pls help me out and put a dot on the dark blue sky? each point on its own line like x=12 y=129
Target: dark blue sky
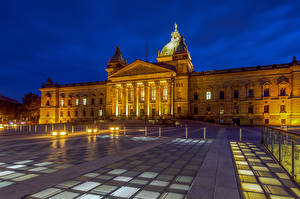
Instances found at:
x=70 y=41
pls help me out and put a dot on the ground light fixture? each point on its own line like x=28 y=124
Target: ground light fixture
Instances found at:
x=92 y=130
x=59 y=133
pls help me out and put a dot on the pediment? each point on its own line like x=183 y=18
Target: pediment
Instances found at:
x=140 y=68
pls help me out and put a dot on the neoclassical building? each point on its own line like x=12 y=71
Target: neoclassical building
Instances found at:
x=170 y=88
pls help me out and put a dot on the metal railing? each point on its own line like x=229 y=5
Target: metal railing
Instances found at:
x=285 y=147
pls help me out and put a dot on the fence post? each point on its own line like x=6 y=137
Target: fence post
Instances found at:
x=30 y=128
x=46 y=128
x=35 y=128
x=145 y=131
x=159 y=132
x=280 y=138
x=240 y=134
x=124 y=130
x=204 y=133
x=64 y=127
x=72 y=129
x=293 y=157
x=186 y=132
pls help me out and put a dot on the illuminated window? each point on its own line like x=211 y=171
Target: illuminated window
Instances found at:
x=131 y=95
x=153 y=93
x=208 y=95
x=267 y=92
x=251 y=93
x=195 y=96
x=282 y=109
x=84 y=101
x=165 y=111
x=221 y=110
x=77 y=101
x=266 y=109
x=236 y=94
x=153 y=112
x=142 y=94
x=208 y=110
x=221 y=94
x=62 y=102
x=282 y=92
x=236 y=109
x=100 y=113
x=165 y=93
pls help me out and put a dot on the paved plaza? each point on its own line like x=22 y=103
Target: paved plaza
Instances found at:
x=184 y=162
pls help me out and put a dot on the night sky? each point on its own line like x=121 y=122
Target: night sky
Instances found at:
x=71 y=41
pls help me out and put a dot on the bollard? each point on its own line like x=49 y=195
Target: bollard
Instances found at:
x=46 y=128
x=35 y=128
x=186 y=133
x=145 y=131
x=72 y=129
x=204 y=133
x=124 y=130
x=29 y=130
x=159 y=132
x=64 y=127
x=240 y=134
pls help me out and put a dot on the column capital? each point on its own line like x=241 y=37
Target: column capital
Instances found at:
x=145 y=84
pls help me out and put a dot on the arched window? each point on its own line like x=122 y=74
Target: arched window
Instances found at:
x=47 y=103
x=283 y=92
x=101 y=100
x=266 y=92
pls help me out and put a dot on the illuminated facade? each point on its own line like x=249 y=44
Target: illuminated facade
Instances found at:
x=170 y=88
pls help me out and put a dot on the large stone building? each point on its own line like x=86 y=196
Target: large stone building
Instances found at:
x=170 y=88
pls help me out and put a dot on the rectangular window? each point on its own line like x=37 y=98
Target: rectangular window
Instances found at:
x=153 y=112
x=221 y=94
x=165 y=93
x=196 y=110
x=77 y=101
x=142 y=94
x=282 y=108
x=61 y=114
x=250 y=109
x=208 y=110
x=236 y=94
x=221 y=110
x=69 y=114
x=267 y=92
x=76 y=113
x=93 y=101
x=178 y=109
x=101 y=100
x=236 y=109
x=84 y=101
x=251 y=93
x=142 y=112
x=100 y=112
x=153 y=93
x=266 y=121
x=69 y=102
x=62 y=102
x=131 y=95
x=266 y=109
x=195 y=96
x=208 y=95
x=83 y=113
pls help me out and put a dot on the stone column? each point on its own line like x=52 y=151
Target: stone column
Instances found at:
x=117 y=102
x=158 y=98
x=126 y=102
x=123 y=89
x=169 y=95
x=172 y=97
x=146 y=99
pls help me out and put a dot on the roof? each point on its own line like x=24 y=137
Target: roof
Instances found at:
x=164 y=65
x=77 y=84
x=245 y=69
x=8 y=100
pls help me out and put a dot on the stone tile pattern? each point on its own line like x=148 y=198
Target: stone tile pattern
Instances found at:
x=166 y=171
x=259 y=176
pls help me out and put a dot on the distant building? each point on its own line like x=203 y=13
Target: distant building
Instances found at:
x=8 y=109
x=170 y=88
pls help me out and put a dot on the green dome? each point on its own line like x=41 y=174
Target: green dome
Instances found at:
x=170 y=48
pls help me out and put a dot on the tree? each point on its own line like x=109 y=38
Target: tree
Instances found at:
x=30 y=108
